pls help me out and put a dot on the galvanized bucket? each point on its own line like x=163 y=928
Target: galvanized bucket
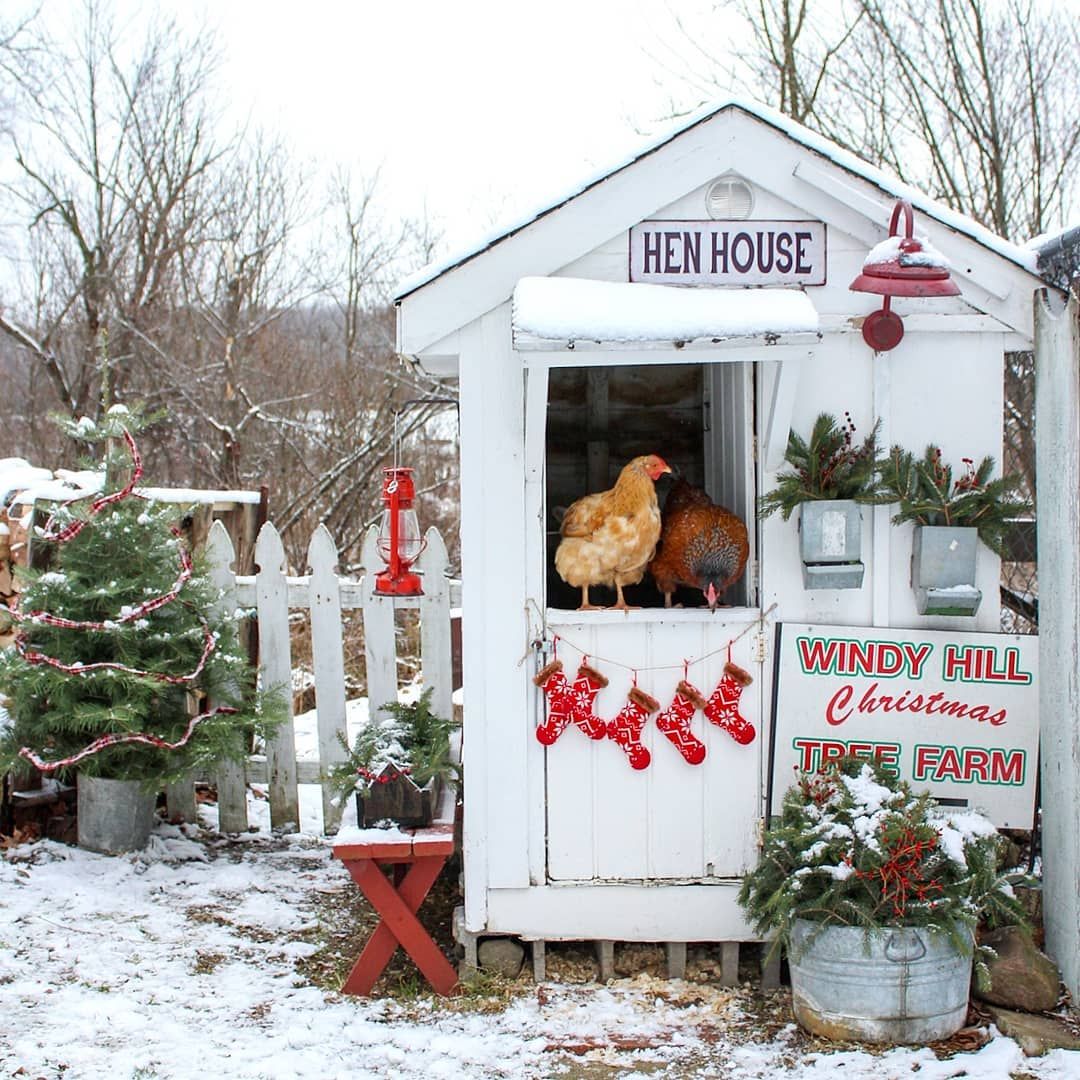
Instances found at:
x=911 y=987
x=114 y=815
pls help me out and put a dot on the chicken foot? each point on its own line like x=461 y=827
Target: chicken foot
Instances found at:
x=585 y=605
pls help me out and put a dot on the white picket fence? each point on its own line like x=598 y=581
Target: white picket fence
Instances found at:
x=273 y=595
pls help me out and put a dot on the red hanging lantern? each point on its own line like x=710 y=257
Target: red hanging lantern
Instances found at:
x=905 y=268
x=399 y=541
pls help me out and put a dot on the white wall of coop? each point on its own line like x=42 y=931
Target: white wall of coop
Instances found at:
x=946 y=389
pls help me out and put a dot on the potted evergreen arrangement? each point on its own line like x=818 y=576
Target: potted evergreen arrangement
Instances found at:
x=397 y=764
x=875 y=893
x=951 y=515
x=827 y=476
x=125 y=674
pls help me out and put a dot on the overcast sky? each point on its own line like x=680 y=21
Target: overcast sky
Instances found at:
x=474 y=109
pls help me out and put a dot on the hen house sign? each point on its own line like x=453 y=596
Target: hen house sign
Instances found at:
x=955 y=714
x=728 y=252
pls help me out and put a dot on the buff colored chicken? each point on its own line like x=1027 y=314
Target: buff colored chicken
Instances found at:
x=609 y=538
x=702 y=545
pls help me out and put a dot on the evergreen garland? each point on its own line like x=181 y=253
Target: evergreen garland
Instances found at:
x=854 y=847
x=158 y=668
x=928 y=494
x=829 y=465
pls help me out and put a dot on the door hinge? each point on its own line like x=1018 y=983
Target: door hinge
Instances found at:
x=761 y=647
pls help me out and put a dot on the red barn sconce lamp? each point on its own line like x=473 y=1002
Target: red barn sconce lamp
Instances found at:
x=900 y=266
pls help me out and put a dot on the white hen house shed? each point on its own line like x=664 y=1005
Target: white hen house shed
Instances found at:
x=570 y=364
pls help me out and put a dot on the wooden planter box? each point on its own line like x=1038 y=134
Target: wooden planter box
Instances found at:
x=397 y=798
x=830 y=544
x=943 y=562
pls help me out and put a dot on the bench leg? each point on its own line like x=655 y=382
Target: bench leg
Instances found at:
x=399 y=925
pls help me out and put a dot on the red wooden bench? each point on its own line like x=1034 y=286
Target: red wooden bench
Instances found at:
x=417 y=856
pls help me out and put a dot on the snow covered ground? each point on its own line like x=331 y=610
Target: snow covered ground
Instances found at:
x=180 y=962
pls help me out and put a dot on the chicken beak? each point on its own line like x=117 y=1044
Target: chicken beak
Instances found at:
x=711 y=596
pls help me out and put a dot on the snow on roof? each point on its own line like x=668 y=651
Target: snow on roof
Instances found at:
x=17 y=474
x=581 y=310
x=1021 y=256
x=32 y=484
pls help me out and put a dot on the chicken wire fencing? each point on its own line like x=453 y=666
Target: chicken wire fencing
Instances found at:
x=1019 y=564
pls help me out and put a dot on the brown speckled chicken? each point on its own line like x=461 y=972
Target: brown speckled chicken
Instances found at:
x=701 y=544
x=609 y=538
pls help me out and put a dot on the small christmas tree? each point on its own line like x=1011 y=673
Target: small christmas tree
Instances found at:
x=124 y=666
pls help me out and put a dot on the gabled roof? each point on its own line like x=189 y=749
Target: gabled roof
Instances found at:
x=494 y=252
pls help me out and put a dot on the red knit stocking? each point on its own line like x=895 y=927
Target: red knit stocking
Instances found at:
x=722 y=708
x=560 y=701
x=569 y=703
x=625 y=729
x=587 y=685
x=674 y=722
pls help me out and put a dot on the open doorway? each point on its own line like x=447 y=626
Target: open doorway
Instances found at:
x=698 y=417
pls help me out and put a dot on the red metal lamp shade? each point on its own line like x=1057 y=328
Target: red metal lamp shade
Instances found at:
x=400 y=542
x=902 y=269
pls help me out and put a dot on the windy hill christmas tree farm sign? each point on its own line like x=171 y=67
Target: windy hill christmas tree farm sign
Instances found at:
x=124 y=668
x=951 y=713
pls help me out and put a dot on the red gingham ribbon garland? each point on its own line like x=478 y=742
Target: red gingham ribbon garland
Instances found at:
x=209 y=644
x=99 y=503
x=31 y=656
x=145 y=608
x=116 y=739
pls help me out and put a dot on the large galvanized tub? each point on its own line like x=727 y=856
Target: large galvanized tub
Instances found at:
x=910 y=987
x=114 y=816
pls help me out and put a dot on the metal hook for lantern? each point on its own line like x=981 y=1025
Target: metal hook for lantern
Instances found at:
x=405 y=406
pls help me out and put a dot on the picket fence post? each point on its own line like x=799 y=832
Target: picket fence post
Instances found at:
x=275 y=672
x=231 y=782
x=435 y=646
x=380 y=641
x=327 y=654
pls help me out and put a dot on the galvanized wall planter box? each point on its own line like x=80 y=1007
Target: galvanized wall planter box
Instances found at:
x=830 y=544
x=393 y=796
x=943 y=561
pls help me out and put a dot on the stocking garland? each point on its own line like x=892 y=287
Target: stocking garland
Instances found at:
x=572 y=703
